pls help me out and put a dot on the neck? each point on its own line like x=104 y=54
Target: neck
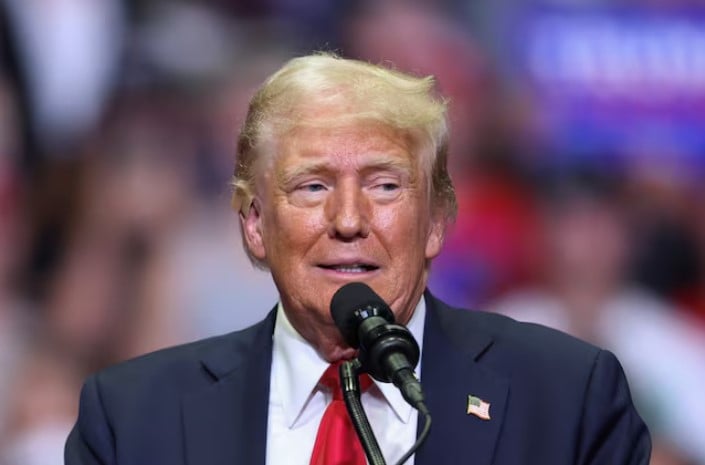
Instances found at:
x=322 y=334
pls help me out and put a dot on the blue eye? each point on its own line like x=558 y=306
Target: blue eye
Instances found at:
x=315 y=187
x=389 y=186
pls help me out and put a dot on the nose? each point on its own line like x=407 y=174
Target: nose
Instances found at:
x=348 y=212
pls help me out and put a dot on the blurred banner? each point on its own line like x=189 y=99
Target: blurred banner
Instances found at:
x=617 y=82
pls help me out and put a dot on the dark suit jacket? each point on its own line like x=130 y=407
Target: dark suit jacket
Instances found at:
x=554 y=400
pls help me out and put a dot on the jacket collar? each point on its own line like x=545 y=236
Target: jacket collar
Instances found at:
x=226 y=422
x=454 y=346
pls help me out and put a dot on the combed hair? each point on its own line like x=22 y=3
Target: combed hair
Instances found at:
x=352 y=91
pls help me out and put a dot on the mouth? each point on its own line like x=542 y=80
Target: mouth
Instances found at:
x=352 y=268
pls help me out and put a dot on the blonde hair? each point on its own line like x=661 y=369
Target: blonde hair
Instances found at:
x=353 y=91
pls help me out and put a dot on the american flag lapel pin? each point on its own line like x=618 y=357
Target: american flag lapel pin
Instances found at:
x=478 y=407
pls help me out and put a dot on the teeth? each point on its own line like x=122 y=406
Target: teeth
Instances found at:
x=351 y=269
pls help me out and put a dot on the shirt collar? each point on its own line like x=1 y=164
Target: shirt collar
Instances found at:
x=391 y=393
x=297 y=367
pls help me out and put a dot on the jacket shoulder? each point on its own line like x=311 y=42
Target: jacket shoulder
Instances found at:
x=516 y=344
x=185 y=366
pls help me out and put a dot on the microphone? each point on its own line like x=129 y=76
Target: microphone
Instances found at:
x=387 y=351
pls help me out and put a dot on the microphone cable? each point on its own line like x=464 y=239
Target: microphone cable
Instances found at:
x=421 y=407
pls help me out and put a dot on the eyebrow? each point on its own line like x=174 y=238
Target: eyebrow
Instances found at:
x=303 y=169
x=385 y=163
x=373 y=163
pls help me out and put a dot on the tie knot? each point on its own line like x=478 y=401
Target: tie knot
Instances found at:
x=331 y=379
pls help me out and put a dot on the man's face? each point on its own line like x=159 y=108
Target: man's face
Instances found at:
x=340 y=205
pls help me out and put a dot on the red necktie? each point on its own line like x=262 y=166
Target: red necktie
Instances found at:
x=336 y=441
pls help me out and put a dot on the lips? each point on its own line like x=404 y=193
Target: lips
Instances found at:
x=354 y=267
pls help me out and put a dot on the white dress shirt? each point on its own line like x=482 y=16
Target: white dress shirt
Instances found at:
x=296 y=404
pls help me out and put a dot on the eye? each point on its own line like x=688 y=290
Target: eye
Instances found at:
x=385 y=188
x=388 y=186
x=313 y=187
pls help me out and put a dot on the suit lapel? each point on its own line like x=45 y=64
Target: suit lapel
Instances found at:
x=450 y=373
x=226 y=422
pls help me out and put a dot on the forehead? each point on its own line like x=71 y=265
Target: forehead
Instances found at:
x=354 y=146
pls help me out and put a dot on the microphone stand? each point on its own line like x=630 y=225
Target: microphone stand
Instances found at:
x=348 y=372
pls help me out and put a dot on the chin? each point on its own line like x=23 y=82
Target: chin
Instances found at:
x=339 y=353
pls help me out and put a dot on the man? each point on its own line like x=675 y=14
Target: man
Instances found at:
x=341 y=177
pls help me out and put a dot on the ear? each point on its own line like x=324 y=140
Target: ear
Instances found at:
x=251 y=223
x=436 y=235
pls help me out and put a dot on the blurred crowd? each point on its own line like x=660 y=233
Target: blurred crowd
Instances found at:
x=118 y=122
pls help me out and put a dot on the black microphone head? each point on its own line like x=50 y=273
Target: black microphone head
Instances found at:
x=352 y=304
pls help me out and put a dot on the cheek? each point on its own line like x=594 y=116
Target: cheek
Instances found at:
x=291 y=228
x=403 y=227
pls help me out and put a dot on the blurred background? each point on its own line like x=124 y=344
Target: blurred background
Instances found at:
x=577 y=150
